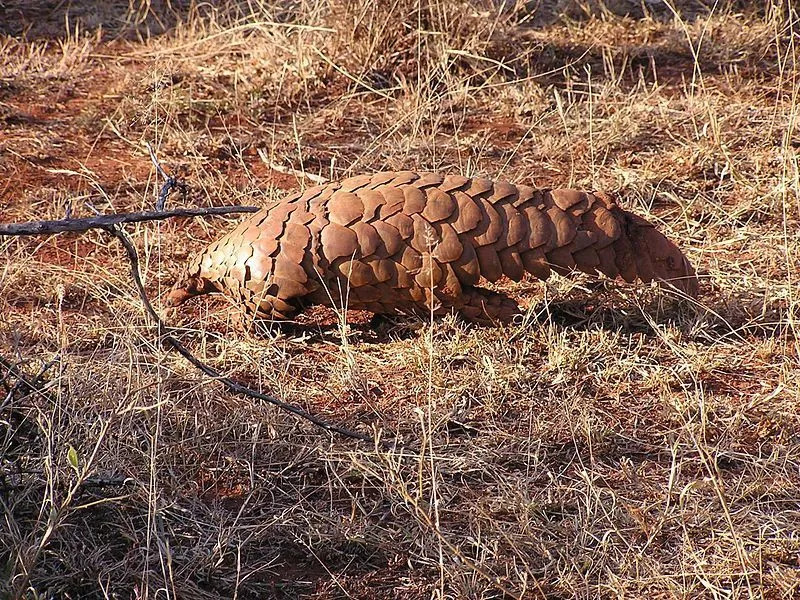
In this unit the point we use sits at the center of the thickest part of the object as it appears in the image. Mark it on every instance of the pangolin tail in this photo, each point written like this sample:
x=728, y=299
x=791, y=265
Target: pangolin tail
x=629, y=247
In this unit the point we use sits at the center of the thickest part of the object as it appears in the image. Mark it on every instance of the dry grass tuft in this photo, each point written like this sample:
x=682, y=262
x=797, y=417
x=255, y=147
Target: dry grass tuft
x=613, y=444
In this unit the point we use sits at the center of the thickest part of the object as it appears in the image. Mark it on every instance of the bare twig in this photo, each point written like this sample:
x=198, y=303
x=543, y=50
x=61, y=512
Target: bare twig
x=157, y=164
x=106, y=221
x=169, y=181
x=93, y=481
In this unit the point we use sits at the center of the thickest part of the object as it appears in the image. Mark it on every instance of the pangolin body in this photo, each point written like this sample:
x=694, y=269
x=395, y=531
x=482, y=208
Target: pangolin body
x=419, y=242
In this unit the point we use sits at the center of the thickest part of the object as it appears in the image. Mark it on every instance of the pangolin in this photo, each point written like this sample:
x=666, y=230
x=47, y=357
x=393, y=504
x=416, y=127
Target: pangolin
x=419, y=242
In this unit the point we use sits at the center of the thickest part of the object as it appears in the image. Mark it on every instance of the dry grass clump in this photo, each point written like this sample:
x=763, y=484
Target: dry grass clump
x=613, y=443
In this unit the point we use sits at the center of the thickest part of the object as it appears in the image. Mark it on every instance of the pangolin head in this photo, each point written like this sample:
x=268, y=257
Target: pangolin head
x=189, y=283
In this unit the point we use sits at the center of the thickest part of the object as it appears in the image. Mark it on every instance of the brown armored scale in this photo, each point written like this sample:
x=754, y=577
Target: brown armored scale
x=415, y=242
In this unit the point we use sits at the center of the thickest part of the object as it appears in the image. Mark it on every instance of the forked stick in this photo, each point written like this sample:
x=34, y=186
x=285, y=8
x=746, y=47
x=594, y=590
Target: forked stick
x=112, y=225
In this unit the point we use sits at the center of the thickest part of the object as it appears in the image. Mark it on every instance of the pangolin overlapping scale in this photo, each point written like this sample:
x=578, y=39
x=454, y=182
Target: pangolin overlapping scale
x=411, y=242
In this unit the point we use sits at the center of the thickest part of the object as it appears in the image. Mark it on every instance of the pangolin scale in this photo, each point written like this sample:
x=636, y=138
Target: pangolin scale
x=419, y=242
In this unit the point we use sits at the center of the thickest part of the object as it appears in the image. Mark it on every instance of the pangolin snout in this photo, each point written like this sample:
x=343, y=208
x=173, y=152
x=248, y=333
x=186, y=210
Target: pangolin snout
x=186, y=287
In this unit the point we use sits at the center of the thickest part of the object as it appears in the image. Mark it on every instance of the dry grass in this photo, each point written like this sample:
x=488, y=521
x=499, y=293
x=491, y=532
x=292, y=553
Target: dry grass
x=612, y=445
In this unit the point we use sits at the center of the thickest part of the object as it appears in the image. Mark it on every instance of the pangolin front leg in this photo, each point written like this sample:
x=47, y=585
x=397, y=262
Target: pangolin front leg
x=419, y=242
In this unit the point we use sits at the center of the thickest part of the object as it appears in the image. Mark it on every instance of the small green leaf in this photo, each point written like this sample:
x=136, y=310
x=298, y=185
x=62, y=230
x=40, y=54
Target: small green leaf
x=72, y=457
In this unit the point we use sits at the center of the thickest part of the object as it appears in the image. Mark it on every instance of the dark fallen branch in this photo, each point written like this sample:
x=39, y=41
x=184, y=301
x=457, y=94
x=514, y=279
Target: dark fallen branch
x=91, y=482
x=106, y=221
x=111, y=224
